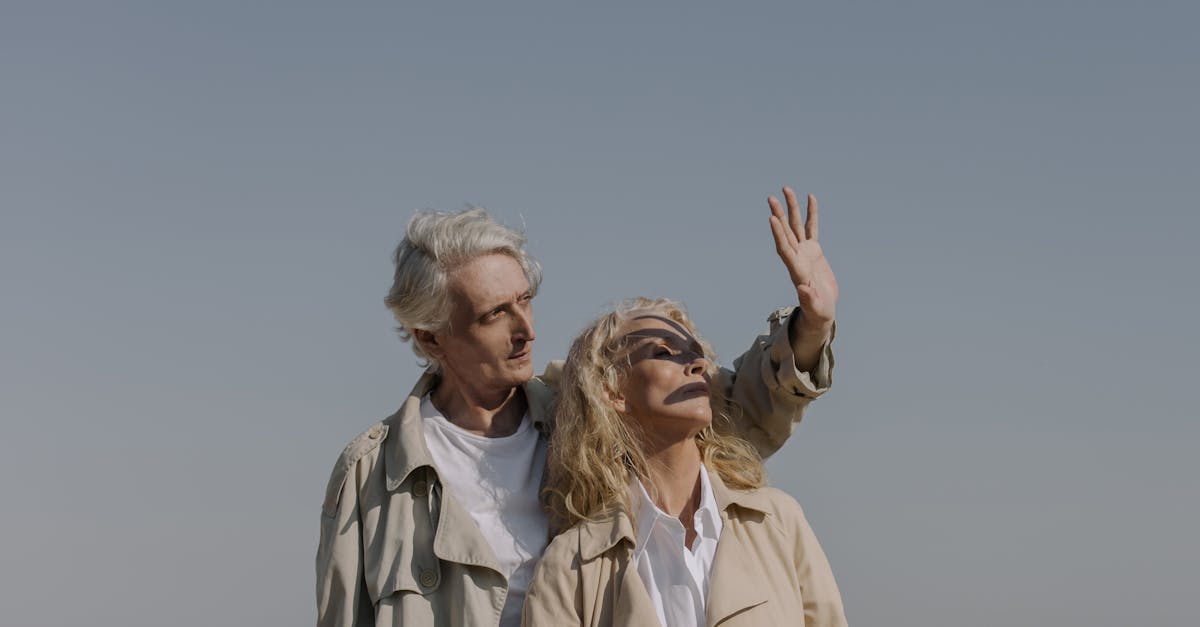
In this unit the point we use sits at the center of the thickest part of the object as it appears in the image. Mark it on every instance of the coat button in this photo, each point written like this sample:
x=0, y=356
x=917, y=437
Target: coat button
x=420, y=488
x=374, y=435
x=428, y=579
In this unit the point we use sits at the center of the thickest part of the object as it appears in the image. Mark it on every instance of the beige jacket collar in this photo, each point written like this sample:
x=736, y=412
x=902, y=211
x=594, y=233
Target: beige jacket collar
x=728, y=592
x=457, y=537
x=408, y=451
x=602, y=534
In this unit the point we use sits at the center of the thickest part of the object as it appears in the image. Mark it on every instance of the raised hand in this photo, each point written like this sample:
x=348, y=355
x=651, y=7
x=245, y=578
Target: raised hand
x=797, y=245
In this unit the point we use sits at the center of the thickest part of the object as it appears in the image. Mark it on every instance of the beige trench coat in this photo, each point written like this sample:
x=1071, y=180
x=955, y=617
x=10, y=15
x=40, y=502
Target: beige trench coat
x=396, y=548
x=768, y=570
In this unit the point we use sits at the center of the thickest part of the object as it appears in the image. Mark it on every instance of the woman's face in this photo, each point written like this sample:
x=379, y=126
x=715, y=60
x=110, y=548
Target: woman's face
x=665, y=383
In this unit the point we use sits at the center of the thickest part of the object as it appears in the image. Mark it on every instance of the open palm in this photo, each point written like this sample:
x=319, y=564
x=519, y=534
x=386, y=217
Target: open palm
x=798, y=248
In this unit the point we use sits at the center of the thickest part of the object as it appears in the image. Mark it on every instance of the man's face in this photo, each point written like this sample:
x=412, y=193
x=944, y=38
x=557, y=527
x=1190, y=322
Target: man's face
x=490, y=341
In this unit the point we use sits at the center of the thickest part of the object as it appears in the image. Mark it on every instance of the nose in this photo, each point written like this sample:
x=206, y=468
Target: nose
x=698, y=365
x=523, y=325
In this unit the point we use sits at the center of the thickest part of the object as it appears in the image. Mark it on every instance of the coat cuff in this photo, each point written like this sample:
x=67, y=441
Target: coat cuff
x=787, y=376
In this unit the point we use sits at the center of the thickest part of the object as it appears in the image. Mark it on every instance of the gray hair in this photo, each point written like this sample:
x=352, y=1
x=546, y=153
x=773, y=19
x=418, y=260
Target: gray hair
x=434, y=244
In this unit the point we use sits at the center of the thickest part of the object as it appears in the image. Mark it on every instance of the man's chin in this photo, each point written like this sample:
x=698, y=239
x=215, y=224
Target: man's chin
x=512, y=376
x=524, y=373
x=522, y=366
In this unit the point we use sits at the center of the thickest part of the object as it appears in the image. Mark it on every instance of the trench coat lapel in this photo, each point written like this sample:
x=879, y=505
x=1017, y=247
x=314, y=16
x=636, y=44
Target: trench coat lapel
x=630, y=603
x=458, y=538
x=633, y=606
x=732, y=589
x=407, y=450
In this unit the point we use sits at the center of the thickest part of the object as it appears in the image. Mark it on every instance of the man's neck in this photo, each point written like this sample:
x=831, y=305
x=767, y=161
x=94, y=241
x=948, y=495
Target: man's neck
x=492, y=414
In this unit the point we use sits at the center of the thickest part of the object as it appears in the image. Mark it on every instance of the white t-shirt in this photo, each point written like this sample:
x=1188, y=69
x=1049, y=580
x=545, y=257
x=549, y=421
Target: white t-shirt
x=676, y=576
x=497, y=481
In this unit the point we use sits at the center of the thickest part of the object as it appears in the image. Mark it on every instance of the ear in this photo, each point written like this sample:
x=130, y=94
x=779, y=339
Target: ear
x=616, y=400
x=429, y=342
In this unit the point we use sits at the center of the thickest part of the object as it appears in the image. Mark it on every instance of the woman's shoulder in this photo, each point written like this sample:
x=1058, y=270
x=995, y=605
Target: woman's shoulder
x=563, y=550
x=588, y=539
x=781, y=509
x=767, y=499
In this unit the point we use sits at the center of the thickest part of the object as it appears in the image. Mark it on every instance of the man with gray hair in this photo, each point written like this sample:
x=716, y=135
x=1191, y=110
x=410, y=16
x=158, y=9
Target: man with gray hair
x=432, y=515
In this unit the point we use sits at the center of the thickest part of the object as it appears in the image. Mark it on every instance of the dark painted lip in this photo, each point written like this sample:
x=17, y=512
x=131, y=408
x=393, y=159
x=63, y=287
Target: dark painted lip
x=695, y=388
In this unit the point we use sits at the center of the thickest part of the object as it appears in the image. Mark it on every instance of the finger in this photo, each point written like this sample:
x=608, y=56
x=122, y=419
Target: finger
x=777, y=213
x=782, y=245
x=810, y=224
x=785, y=246
x=776, y=208
x=794, y=214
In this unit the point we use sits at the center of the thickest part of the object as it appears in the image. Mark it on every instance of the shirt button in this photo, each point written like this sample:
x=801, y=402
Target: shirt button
x=420, y=488
x=428, y=579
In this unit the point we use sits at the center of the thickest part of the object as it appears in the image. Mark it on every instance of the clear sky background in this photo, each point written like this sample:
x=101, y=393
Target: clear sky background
x=198, y=203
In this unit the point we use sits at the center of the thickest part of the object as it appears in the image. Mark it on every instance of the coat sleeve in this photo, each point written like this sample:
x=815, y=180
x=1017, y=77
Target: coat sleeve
x=764, y=395
x=342, y=598
x=555, y=598
x=818, y=589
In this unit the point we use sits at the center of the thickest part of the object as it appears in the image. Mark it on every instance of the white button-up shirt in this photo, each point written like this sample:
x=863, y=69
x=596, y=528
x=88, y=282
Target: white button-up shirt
x=676, y=576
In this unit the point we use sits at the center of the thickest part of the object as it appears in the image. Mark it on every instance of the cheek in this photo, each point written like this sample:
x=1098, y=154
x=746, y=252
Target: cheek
x=491, y=341
x=477, y=349
x=643, y=390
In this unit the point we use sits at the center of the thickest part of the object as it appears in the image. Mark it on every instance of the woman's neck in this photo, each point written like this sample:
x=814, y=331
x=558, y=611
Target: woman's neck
x=674, y=475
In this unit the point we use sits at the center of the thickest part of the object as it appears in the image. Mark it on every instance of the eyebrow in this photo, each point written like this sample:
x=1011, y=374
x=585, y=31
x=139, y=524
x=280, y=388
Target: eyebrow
x=501, y=305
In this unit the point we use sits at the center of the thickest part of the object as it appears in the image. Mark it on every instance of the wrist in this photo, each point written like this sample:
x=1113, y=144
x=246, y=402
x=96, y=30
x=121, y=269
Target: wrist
x=804, y=331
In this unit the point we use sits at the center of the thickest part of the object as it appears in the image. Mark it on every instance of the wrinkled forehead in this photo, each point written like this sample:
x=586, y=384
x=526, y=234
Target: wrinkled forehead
x=487, y=280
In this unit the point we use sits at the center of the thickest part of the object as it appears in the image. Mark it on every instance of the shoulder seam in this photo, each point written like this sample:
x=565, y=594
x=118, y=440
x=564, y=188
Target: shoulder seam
x=358, y=448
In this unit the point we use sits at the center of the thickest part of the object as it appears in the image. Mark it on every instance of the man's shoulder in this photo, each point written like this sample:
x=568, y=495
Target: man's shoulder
x=365, y=444
x=542, y=391
x=551, y=376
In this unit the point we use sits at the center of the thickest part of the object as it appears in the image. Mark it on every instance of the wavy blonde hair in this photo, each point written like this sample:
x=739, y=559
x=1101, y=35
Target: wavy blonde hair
x=594, y=450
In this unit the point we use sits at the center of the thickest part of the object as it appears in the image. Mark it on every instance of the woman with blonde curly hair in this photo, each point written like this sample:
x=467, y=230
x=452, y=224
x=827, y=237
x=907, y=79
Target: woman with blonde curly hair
x=664, y=515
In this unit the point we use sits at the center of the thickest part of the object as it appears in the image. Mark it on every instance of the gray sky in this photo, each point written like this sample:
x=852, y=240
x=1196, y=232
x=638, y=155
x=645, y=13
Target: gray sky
x=199, y=203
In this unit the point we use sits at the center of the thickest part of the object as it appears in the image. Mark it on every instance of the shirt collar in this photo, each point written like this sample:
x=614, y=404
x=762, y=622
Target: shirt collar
x=607, y=530
x=645, y=513
x=648, y=515
x=708, y=509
